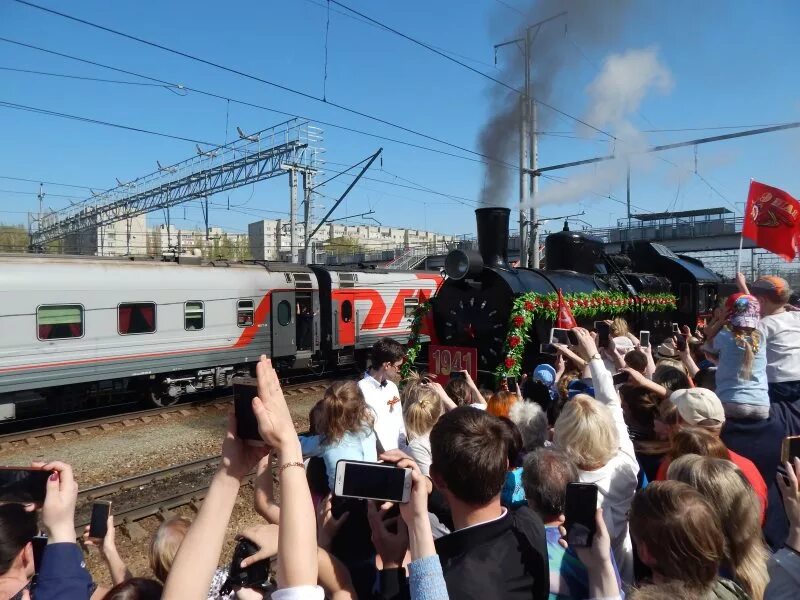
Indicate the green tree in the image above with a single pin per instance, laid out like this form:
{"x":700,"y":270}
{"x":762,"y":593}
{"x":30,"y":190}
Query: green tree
{"x":13,"y":238}
{"x":342,"y":246}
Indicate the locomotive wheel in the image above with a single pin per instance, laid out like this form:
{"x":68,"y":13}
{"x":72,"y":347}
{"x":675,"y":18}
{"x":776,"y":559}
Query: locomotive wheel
{"x":161,"y":399}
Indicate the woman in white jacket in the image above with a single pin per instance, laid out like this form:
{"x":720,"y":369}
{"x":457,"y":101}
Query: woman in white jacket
{"x":593,"y":432}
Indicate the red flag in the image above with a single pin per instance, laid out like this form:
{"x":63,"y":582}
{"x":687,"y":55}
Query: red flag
{"x":772,"y":220}
{"x":564,"y":318}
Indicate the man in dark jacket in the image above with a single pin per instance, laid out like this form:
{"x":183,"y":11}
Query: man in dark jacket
{"x":493,"y":553}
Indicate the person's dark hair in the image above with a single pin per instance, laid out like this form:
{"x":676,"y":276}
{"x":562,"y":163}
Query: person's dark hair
{"x":696,"y":350}
{"x":515,"y":443}
{"x":137,"y":588}
{"x":458,"y":391}
{"x":680,"y":531}
{"x":671,"y":378}
{"x":636,"y":360}
{"x":545,"y":475}
{"x":386,"y":350}
{"x":314,"y":417}
{"x":17,"y":528}
{"x":640,"y":410}
{"x":469,"y":450}
{"x":539,"y":393}
{"x":706,"y":378}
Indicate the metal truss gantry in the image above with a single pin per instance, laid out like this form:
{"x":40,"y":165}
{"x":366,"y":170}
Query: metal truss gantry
{"x":253,"y":158}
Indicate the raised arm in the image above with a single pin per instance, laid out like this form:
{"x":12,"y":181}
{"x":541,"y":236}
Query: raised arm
{"x":198,"y":556}
{"x":108,"y":550}
{"x":477,"y":397}
{"x":297,"y":538}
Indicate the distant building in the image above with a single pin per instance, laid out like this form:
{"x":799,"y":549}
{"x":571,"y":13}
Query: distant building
{"x":122,"y":238}
{"x":271,"y":239}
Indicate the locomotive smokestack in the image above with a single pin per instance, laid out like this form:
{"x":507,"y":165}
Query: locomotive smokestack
{"x":493,"y":235}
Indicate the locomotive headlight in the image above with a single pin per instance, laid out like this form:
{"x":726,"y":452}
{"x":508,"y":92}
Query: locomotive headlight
{"x":460,"y":264}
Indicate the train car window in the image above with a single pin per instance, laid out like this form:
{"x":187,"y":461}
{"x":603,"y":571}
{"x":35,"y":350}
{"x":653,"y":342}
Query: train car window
{"x":244,"y":313}
{"x":409,"y":306}
{"x":193,"y":316}
{"x":347,"y":311}
{"x":136,"y":317}
{"x":59,"y":321}
{"x":284,"y":313}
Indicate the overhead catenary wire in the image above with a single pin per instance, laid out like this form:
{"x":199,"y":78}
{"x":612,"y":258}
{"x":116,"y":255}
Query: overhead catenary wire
{"x":182,"y":87}
{"x":463,"y":64}
{"x":253,"y":78}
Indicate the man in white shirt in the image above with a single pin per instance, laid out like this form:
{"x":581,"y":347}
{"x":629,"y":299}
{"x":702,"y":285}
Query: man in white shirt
{"x":382,"y":395}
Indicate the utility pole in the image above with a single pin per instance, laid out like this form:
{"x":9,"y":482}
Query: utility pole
{"x":307,"y":217}
{"x":293,"y":215}
{"x":628,"y":195}
{"x":528,"y":149}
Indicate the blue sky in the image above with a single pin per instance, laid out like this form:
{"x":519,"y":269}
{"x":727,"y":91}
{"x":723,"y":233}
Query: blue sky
{"x":731,"y":64}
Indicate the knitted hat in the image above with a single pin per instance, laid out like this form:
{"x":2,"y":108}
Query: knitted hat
{"x":744,"y":310}
{"x":696,"y":405}
{"x":545,"y":374}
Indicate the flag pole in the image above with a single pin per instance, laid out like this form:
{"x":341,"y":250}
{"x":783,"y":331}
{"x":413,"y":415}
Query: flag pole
{"x":739,"y":258}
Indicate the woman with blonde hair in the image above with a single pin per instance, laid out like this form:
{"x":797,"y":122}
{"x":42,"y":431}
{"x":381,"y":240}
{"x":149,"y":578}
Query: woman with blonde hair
{"x":725,"y":487}
{"x":422,"y":407}
{"x":594,"y":434}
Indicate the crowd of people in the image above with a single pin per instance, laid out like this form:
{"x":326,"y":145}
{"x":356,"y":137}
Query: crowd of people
{"x":681,"y":438}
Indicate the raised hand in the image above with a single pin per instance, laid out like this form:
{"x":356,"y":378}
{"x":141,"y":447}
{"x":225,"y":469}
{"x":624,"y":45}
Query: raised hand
{"x":58,"y":510}
{"x":274,"y":420}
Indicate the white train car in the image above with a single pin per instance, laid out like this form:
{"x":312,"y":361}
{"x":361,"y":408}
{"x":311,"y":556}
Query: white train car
{"x":78,"y":331}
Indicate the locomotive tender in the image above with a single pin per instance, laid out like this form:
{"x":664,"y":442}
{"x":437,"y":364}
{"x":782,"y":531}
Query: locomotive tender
{"x":87,"y":331}
{"x":473,"y":306}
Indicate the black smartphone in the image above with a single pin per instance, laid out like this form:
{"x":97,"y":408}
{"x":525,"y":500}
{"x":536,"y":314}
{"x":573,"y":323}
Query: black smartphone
{"x":621,"y":377}
{"x":39,"y":543}
{"x":23,"y":484}
{"x":244,"y":390}
{"x":579,"y":514}
{"x":603,"y":333}
{"x":559,"y":336}
{"x":676,"y":328}
{"x":680,"y":341}
{"x":98,"y":525}
{"x":572,"y":336}
{"x":790,"y":448}
{"x":547,"y":349}
{"x":644,"y":339}
{"x":511,"y":383}
{"x":254,"y":576}
{"x":456,"y":375}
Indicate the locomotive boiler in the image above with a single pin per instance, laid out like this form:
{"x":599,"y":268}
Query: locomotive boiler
{"x":474,"y":304}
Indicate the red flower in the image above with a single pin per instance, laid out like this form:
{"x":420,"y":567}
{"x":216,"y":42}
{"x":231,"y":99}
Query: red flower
{"x":518,"y":321}
{"x":529,"y":306}
{"x":510,"y":362}
{"x":514,"y":341}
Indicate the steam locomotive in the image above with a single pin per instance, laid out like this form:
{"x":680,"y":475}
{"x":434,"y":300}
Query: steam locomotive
{"x":473,"y":305}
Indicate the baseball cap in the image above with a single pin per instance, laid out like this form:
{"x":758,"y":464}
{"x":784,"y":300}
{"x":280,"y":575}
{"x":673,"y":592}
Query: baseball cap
{"x":545,"y":373}
{"x":623,"y":343}
{"x":771,"y":286}
{"x":745,"y":311}
{"x":696,"y":405}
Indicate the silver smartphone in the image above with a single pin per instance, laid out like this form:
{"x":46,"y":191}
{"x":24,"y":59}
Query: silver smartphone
{"x":644,"y":339}
{"x":372,"y":481}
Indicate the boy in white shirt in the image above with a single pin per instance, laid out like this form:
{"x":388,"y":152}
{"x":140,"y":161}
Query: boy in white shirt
{"x":381,"y":393}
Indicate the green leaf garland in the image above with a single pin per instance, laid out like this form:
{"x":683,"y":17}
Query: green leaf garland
{"x":414,"y":343}
{"x":531,"y":306}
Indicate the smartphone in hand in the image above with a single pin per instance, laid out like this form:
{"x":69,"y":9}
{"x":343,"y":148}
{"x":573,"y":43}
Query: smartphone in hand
{"x":579,"y":514}
{"x":23,"y":484}
{"x":790,"y":449}
{"x":244,"y":390}
{"x":98,"y":525}
{"x":621,"y":377}
{"x":644,"y":339}
{"x":603,"y":333}
{"x":372,"y":481}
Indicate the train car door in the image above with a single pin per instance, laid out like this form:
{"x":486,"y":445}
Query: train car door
{"x":284,"y":319}
{"x":344,"y":316}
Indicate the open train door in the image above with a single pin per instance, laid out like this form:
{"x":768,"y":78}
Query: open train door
{"x":284,"y":318}
{"x":344,"y":317}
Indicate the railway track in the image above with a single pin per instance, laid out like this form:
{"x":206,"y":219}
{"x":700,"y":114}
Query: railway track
{"x":105,"y":423}
{"x":126,"y":515}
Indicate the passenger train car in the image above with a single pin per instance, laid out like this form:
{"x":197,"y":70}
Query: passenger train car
{"x":87,"y":331}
